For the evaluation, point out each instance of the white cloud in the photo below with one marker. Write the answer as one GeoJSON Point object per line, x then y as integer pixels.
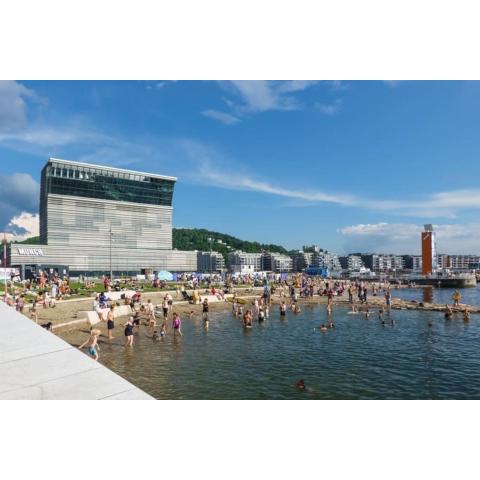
{"type": "Point", "coordinates": [329, 108]}
{"type": "Point", "coordinates": [263, 95]}
{"type": "Point", "coordinates": [13, 105]}
{"type": "Point", "coordinates": [404, 238]}
{"type": "Point", "coordinates": [23, 226]}
{"type": "Point", "coordinates": [223, 117]}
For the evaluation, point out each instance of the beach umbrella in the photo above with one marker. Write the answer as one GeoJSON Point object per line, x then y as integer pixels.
{"type": "Point", "coordinates": [164, 275]}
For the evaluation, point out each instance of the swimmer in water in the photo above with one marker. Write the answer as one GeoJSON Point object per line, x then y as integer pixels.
{"type": "Point", "coordinates": [354, 309]}
{"type": "Point", "coordinates": [448, 312]}
{"type": "Point", "coordinates": [300, 384]}
{"type": "Point", "coordinates": [323, 327]}
{"type": "Point", "coordinates": [367, 313]}
{"type": "Point", "coordinates": [466, 315]}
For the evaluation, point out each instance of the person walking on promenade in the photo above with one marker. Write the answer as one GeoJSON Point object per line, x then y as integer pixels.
{"type": "Point", "coordinates": [92, 343]}
{"type": "Point", "coordinates": [110, 322]}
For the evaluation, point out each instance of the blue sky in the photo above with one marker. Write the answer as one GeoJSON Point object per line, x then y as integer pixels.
{"type": "Point", "coordinates": [346, 165]}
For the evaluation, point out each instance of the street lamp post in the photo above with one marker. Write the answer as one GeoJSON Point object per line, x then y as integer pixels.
{"type": "Point", "coordinates": [5, 264]}
{"type": "Point", "coordinates": [210, 240]}
{"type": "Point", "coordinates": [110, 237]}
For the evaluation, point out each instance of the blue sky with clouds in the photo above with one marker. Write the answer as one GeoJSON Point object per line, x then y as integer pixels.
{"type": "Point", "coordinates": [347, 165]}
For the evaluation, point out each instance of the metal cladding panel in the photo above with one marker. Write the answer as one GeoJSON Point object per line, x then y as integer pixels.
{"type": "Point", "coordinates": [82, 222]}
{"type": "Point", "coordinates": [97, 258]}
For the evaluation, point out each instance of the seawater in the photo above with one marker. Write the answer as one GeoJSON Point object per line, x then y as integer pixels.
{"type": "Point", "coordinates": [359, 359]}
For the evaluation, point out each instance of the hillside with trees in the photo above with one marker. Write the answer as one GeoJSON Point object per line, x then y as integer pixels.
{"type": "Point", "coordinates": [198, 239]}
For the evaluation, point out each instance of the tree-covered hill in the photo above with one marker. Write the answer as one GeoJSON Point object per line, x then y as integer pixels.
{"type": "Point", "coordinates": [197, 239]}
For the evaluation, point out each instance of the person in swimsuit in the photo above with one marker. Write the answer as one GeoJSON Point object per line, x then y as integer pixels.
{"type": "Point", "coordinates": [261, 315]}
{"type": "Point", "coordinates": [466, 315]}
{"type": "Point", "coordinates": [129, 333]}
{"type": "Point", "coordinates": [283, 309]}
{"type": "Point", "coordinates": [205, 309]}
{"type": "Point", "coordinates": [33, 312]}
{"type": "Point", "coordinates": [92, 343]}
{"type": "Point", "coordinates": [136, 320]}
{"type": "Point", "coordinates": [176, 324]}
{"type": "Point", "coordinates": [165, 308]}
{"type": "Point", "coordinates": [110, 323]}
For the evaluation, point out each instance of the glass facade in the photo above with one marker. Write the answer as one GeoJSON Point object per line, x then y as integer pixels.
{"type": "Point", "coordinates": [96, 182]}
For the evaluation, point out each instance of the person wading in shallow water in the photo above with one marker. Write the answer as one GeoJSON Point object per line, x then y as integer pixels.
{"type": "Point", "coordinates": [176, 324]}
{"type": "Point", "coordinates": [92, 344]}
{"type": "Point", "coordinates": [110, 323]}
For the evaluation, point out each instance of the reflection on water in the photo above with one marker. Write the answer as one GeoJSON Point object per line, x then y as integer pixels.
{"type": "Point", "coordinates": [360, 358]}
{"type": "Point", "coordinates": [427, 294]}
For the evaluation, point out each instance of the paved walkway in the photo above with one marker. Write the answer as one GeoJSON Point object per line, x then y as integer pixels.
{"type": "Point", "coordinates": [35, 364]}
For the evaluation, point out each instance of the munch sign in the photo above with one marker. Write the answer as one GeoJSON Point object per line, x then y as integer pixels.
{"type": "Point", "coordinates": [35, 252]}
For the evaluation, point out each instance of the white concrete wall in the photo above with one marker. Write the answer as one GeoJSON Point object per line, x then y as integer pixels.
{"type": "Point", "coordinates": [37, 365]}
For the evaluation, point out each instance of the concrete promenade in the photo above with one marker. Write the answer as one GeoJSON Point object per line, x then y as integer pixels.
{"type": "Point", "coordinates": [35, 364]}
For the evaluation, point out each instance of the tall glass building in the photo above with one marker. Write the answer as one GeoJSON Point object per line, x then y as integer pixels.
{"type": "Point", "coordinates": [93, 218]}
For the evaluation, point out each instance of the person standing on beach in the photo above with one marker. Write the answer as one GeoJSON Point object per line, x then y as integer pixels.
{"type": "Point", "coordinates": [92, 343]}
{"type": "Point", "coordinates": [110, 323]}
{"type": "Point", "coordinates": [33, 312]}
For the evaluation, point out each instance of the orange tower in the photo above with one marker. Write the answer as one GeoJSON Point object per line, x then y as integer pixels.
{"type": "Point", "coordinates": [429, 254]}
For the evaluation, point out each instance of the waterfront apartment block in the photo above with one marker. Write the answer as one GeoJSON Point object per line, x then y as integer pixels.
{"type": "Point", "coordinates": [301, 260]}
{"type": "Point", "coordinates": [383, 262]}
{"type": "Point", "coordinates": [94, 219]}
{"type": "Point", "coordinates": [276, 262]}
{"type": "Point", "coordinates": [325, 259]}
{"type": "Point", "coordinates": [210, 262]}
{"type": "Point", "coordinates": [243, 262]}
{"type": "Point", "coordinates": [352, 263]}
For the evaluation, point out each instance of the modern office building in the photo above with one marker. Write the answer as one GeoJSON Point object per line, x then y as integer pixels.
{"type": "Point", "coordinates": [210, 262]}
{"type": "Point", "coordinates": [96, 219]}
{"type": "Point", "coordinates": [429, 254]}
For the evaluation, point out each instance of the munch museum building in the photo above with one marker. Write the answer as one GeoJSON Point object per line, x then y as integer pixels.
{"type": "Point", "coordinates": [94, 219]}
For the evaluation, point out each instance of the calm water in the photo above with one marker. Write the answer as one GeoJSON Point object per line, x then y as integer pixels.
{"type": "Point", "coordinates": [360, 359]}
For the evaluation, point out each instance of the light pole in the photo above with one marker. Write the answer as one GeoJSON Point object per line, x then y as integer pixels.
{"type": "Point", "coordinates": [210, 240]}
{"type": "Point", "coordinates": [5, 264]}
{"type": "Point", "coordinates": [110, 237]}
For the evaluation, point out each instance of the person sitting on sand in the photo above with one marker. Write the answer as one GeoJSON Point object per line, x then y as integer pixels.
{"type": "Point", "coordinates": [92, 343]}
